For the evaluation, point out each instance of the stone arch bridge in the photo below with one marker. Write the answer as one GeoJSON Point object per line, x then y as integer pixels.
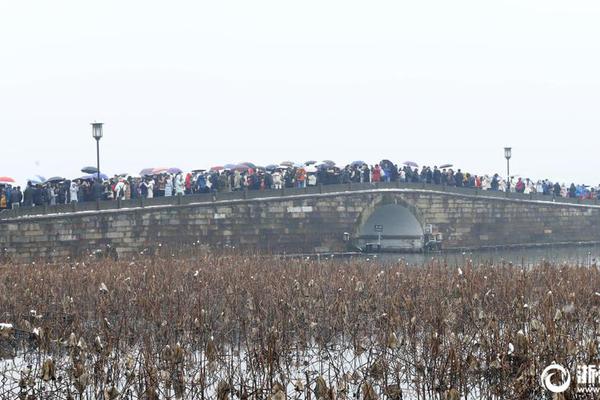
{"type": "Point", "coordinates": [317, 219]}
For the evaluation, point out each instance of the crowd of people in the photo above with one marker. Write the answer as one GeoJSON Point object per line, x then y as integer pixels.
{"type": "Point", "coordinates": [247, 176]}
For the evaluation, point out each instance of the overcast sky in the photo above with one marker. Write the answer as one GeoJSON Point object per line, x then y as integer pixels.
{"type": "Point", "coordinates": [198, 83]}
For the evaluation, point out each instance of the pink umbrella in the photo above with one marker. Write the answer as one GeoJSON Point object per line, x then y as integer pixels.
{"type": "Point", "coordinates": [6, 180]}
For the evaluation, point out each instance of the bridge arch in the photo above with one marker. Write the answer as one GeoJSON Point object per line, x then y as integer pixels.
{"type": "Point", "coordinates": [390, 223]}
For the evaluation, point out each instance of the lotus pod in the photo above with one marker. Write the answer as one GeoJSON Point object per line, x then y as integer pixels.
{"type": "Point", "coordinates": [130, 362]}
{"type": "Point", "coordinates": [48, 370]}
{"type": "Point", "coordinates": [167, 354]}
{"type": "Point", "coordinates": [393, 392]}
{"type": "Point", "coordinates": [557, 315]}
{"type": "Point", "coordinates": [359, 287]}
{"type": "Point", "coordinates": [452, 394]}
{"type": "Point", "coordinates": [211, 351]}
{"type": "Point", "coordinates": [377, 369]}
{"type": "Point", "coordinates": [81, 382]}
{"type": "Point", "coordinates": [72, 342]}
{"type": "Point", "coordinates": [6, 330]}
{"type": "Point", "coordinates": [277, 392]}
{"type": "Point", "coordinates": [98, 346]}
{"type": "Point", "coordinates": [321, 390]}
{"type": "Point", "coordinates": [537, 326]}
{"type": "Point", "coordinates": [178, 354]}
{"type": "Point", "coordinates": [392, 341]}
{"type": "Point", "coordinates": [368, 393]}
{"type": "Point", "coordinates": [78, 369]}
{"type": "Point", "coordinates": [81, 344]}
{"type": "Point", "coordinates": [223, 390]}
{"type": "Point", "coordinates": [111, 393]}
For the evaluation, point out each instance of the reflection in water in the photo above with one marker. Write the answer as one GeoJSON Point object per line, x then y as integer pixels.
{"type": "Point", "coordinates": [574, 255]}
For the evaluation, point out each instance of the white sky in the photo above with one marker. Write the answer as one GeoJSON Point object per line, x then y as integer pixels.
{"type": "Point", "coordinates": [198, 83]}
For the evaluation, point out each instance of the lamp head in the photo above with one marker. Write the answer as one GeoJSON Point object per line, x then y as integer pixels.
{"type": "Point", "coordinates": [97, 130]}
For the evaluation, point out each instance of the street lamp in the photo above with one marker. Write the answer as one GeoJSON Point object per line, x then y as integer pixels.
{"type": "Point", "coordinates": [97, 134]}
{"type": "Point", "coordinates": [507, 155]}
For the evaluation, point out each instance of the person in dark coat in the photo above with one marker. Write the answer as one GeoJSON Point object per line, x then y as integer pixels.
{"type": "Point", "coordinates": [437, 175]}
{"type": "Point", "coordinates": [572, 191]}
{"type": "Point", "coordinates": [16, 197]}
{"type": "Point", "coordinates": [495, 182]}
{"type": "Point", "coordinates": [458, 178]}
{"type": "Point", "coordinates": [38, 196]}
{"type": "Point", "coordinates": [557, 189]}
{"type": "Point", "coordinates": [28, 195]}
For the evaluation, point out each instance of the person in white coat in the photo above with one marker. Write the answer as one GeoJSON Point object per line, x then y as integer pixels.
{"type": "Point", "coordinates": [73, 189]}
{"type": "Point", "coordinates": [179, 185]}
{"type": "Point", "coordinates": [169, 187]}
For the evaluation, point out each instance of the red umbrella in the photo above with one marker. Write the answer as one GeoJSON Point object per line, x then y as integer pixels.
{"type": "Point", "coordinates": [217, 168]}
{"type": "Point", "coordinates": [6, 180]}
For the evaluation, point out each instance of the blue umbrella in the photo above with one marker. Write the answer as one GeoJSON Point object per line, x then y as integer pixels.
{"type": "Point", "coordinates": [94, 176]}
{"type": "Point", "coordinates": [36, 179]}
{"type": "Point", "coordinates": [174, 170]}
{"type": "Point", "coordinates": [357, 163]}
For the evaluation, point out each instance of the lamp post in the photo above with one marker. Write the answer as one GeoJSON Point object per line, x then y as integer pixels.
{"type": "Point", "coordinates": [97, 134]}
{"type": "Point", "coordinates": [507, 155]}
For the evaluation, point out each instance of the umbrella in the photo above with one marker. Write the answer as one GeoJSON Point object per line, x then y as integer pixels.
{"type": "Point", "coordinates": [146, 171]}
{"type": "Point", "coordinates": [357, 163]}
{"type": "Point", "coordinates": [89, 170]}
{"type": "Point", "coordinates": [259, 167]}
{"type": "Point", "coordinates": [248, 164]}
{"type": "Point", "coordinates": [287, 164]}
{"type": "Point", "coordinates": [411, 164]}
{"type": "Point", "coordinates": [218, 168]}
{"type": "Point", "coordinates": [158, 171]}
{"type": "Point", "coordinates": [36, 179]}
{"type": "Point", "coordinates": [446, 166]}
{"type": "Point", "coordinates": [241, 167]}
{"type": "Point", "coordinates": [55, 179]}
{"type": "Point", "coordinates": [94, 176]}
{"type": "Point", "coordinates": [310, 162]}
{"type": "Point", "coordinates": [329, 162]}
{"type": "Point", "coordinates": [386, 163]}
{"type": "Point", "coordinates": [229, 166]}
{"type": "Point", "coordinates": [271, 167]}
{"type": "Point", "coordinates": [5, 180]}
{"type": "Point", "coordinates": [174, 170]}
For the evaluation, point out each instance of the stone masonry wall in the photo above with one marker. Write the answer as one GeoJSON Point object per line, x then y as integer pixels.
{"type": "Point", "coordinates": [299, 223]}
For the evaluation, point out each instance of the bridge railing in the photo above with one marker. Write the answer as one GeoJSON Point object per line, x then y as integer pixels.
{"type": "Point", "coordinates": [102, 205]}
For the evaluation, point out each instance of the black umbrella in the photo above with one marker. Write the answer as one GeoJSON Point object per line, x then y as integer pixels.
{"type": "Point", "coordinates": [446, 166]}
{"type": "Point", "coordinates": [55, 179]}
{"type": "Point", "coordinates": [386, 163]}
{"type": "Point", "coordinates": [89, 170]}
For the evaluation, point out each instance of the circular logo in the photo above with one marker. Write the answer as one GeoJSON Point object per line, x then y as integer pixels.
{"type": "Point", "coordinates": [549, 372]}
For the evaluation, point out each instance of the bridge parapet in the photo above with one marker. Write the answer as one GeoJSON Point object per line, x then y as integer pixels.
{"type": "Point", "coordinates": [200, 198]}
